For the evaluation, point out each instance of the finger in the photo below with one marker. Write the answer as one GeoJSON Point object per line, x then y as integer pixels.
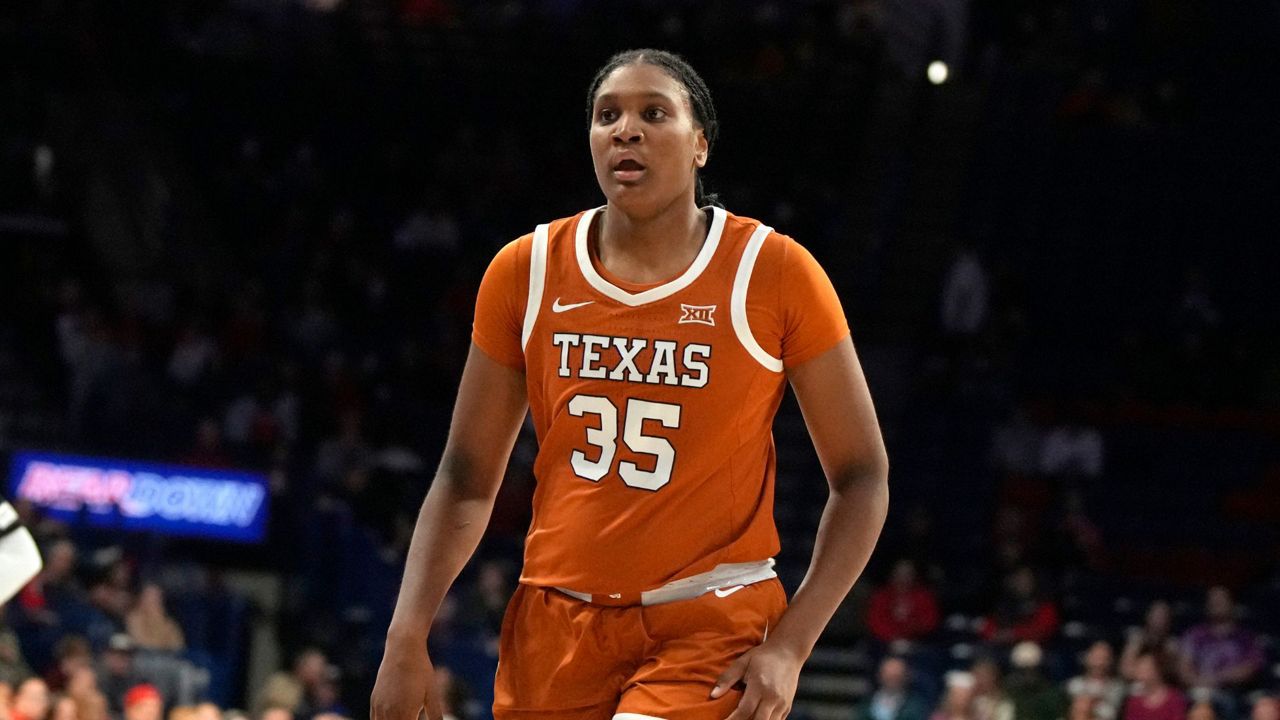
{"type": "Point", "coordinates": [768, 707]}
{"type": "Point", "coordinates": [432, 706]}
{"type": "Point", "coordinates": [778, 711]}
{"type": "Point", "coordinates": [731, 676]}
{"type": "Point", "coordinates": [746, 706]}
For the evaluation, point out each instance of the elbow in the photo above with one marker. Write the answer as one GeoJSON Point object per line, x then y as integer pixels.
{"type": "Point", "coordinates": [467, 475]}
{"type": "Point", "coordinates": [869, 477]}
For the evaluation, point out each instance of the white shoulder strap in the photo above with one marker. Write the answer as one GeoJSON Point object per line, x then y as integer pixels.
{"type": "Point", "coordinates": [537, 281]}
{"type": "Point", "coordinates": [738, 301]}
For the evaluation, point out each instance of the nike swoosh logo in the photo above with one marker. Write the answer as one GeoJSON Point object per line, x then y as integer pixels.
{"type": "Point", "coordinates": [726, 592]}
{"type": "Point", "coordinates": [558, 308]}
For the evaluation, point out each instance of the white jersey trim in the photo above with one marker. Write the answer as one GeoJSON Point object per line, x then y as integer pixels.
{"type": "Point", "coordinates": [608, 289]}
{"type": "Point", "coordinates": [19, 556]}
{"type": "Point", "coordinates": [738, 301]}
{"type": "Point", "coordinates": [725, 575]}
{"type": "Point", "coordinates": [537, 282]}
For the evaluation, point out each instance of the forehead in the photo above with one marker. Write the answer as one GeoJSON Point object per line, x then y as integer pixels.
{"type": "Point", "coordinates": [641, 80]}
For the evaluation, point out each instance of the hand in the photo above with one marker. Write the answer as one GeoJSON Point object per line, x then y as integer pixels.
{"type": "Point", "coordinates": [770, 673]}
{"type": "Point", "coordinates": [406, 685]}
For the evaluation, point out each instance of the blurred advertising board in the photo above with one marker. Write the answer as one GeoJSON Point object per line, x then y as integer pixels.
{"type": "Point", "coordinates": [143, 497]}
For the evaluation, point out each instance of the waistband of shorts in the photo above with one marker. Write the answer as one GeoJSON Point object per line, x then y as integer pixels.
{"type": "Point", "coordinates": [721, 577]}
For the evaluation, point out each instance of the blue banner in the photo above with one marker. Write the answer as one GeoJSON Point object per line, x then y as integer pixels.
{"type": "Point", "coordinates": [144, 497]}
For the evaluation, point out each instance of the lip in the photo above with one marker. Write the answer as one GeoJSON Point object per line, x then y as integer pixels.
{"type": "Point", "coordinates": [628, 176]}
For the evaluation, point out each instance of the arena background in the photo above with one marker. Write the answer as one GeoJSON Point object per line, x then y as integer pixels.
{"type": "Point", "coordinates": [247, 234]}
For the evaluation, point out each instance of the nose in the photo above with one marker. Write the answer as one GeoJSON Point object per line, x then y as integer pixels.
{"type": "Point", "coordinates": [627, 131]}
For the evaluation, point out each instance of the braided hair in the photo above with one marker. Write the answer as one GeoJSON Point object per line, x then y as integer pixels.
{"type": "Point", "coordinates": [704, 109]}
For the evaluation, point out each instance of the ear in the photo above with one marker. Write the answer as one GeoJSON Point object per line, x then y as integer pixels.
{"type": "Point", "coordinates": [700, 149]}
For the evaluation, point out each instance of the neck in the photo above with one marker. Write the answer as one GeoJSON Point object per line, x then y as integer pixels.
{"type": "Point", "coordinates": [653, 248]}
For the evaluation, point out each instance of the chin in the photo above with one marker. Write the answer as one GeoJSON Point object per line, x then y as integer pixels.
{"type": "Point", "coordinates": [638, 201]}
{"type": "Point", "coordinates": [633, 201]}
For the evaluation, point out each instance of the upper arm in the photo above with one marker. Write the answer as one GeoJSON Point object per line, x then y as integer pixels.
{"type": "Point", "coordinates": [812, 319]}
{"type": "Point", "coordinates": [491, 406]}
{"type": "Point", "coordinates": [837, 408]}
{"type": "Point", "coordinates": [500, 304]}
{"type": "Point", "coordinates": [824, 371]}
{"type": "Point", "coordinates": [492, 398]}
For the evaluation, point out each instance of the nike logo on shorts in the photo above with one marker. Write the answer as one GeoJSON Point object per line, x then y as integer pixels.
{"type": "Point", "coordinates": [726, 592]}
{"type": "Point", "coordinates": [558, 308]}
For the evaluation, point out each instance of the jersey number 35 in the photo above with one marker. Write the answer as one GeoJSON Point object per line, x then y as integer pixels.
{"type": "Point", "coordinates": [605, 438]}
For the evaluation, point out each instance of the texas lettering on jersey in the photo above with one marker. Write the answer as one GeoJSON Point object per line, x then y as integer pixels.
{"type": "Point", "coordinates": [635, 360]}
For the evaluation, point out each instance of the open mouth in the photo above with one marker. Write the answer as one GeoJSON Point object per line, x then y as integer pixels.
{"type": "Point", "coordinates": [628, 170]}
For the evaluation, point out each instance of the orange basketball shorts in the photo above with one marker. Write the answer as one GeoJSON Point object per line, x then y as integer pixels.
{"type": "Point", "coordinates": [568, 659]}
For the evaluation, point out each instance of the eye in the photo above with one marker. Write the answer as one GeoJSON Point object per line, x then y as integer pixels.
{"type": "Point", "coordinates": [655, 113]}
{"type": "Point", "coordinates": [606, 115]}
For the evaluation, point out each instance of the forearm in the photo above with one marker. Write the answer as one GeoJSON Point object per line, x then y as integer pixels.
{"type": "Point", "coordinates": [449, 528]}
{"type": "Point", "coordinates": [847, 533]}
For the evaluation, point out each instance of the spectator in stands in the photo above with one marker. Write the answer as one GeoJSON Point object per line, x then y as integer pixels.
{"type": "Point", "coordinates": [82, 686]}
{"type": "Point", "coordinates": [904, 608]}
{"type": "Point", "coordinates": [1153, 697]}
{"type": "Point", "coordinates": [53, 588]}
{"type": "Point", "coordinates": [296, 691]}
{"type": "Point", "coordinates": [989, 699]}
{"type": "Point", "coordinates": [207, 449]}
{"type": "Point", "coordinates": [13, 668]}
{"type": "Point", "coordinates": [1266, 707]}
{"type": "Point", "coordinates": [487, 602]}
{"type": "Point", "coordinates": [958, 702]}
{"type": "Point", "coordinates": [1033, 696]}
{"type": "Point", "coordinates": [1083, 707]}
{"type": "Point", "coordinates": [275, 713]}
{"type": "Point", "coordinates": [116, 672]}
{"type": "Point", "coordinates": [1099, 681]}
{"type": "Point", "coordinates": [894, 699]}
{"type": "Point", "coordinates": [1219, 654]}
{"type": "Point", "coordinates": [453, 694]}
{"type": "Point", "coordinates": [324, 697]}
{"type": "Point", "coordinates": [1020, 614]}
{"type": "Point", "coordinates": [143, 702]}
{"type": "Point", "coordinates": [111, 590]}
{"type": "Point", "coordinates": [341, 452]}
{"type": "Point", "coordinates": [1073, 450]}
{"type": "Point", "coordinates": [30, 700]}
{"type": "Point", "coordinates": [63, 707]}
{"type": "Point", "coordinates": [1205, 711]}
{"type": "Point", "coordinates": [965, 295]}
{"type": "Point", "coordinates": [194, 354]}
{"type": "Point", "coordinates": [150, 625]}
{"type": "Point", "coordinates": [1155, 636]}
{"type": "Point", "coordinates": [69, 653]}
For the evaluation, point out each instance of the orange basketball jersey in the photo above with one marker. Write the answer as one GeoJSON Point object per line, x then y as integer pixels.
{"type": "Point", "coordinates": [653, 405]}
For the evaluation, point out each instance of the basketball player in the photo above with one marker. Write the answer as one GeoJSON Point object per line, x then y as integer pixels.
{"type": "Point", "coordinates": [19, 556]}
{"type": "Point", "coordinates": [652, 340]}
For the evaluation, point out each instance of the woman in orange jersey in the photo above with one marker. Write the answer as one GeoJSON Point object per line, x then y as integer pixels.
{"type": "Point", "coordinates": [652, 339]}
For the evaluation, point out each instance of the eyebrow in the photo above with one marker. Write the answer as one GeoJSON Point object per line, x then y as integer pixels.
{"type": "Point", "coordinates": [652, 94]}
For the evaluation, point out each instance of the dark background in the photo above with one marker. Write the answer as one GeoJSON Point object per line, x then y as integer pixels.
{"type": "Point", "coordinates": [249, 233]}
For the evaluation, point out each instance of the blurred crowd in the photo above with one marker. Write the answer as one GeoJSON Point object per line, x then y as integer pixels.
{"type": "Point", "coordinates": [249, 234]}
